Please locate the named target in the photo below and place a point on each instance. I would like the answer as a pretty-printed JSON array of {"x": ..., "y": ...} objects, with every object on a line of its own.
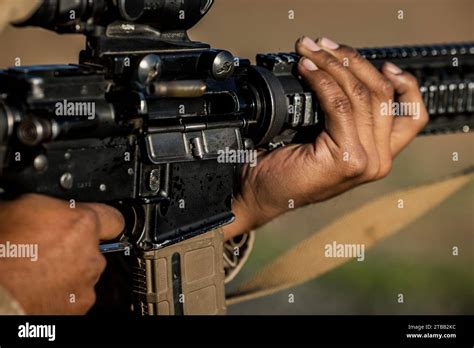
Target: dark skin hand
[
  {"x": 357, "y": 147},
  {"x": 68, "y": 262}
]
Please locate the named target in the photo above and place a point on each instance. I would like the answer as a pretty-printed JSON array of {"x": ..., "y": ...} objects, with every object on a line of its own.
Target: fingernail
[
  {"x": 310, "y": 44},
  {"x": 393, "y": 68},
  {"x": 309, "y": 65},
  {"x": 328, "y": 43}
]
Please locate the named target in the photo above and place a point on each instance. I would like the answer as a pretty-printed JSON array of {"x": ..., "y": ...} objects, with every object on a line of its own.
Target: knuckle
[
  {"x": 101, "y": 264},
  {"x": 360, "y": 91},
  {"x": 332, "y": 63},
  {"x": 372, "y": 171},
  {"x": 27, "y": 199},
  {"x": 356, "y": 166},
  {"x": 353, "y": 55},
  {"x": 386, "y": 88},
  {"x": 411, "y": 80},
  {"x": 368, "y": 120},
  {"x": 88, "y": 299},
  {"x": 87, "y": 219},
  {"x": 340, "y": 104},
  {"x": 91, "y": 266},
  {"x": 422, "y": 121},
  {"x": 326, "y": 84},
  {"x": 385, "y": 169},
  {"x": 425, "y": 118}
]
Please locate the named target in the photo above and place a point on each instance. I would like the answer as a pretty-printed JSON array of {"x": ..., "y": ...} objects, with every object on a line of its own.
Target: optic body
[{"x": 163, "y": 15}]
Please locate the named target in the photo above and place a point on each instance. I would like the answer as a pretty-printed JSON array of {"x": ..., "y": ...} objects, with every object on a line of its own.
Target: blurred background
[{"x": 417, "y": 261}]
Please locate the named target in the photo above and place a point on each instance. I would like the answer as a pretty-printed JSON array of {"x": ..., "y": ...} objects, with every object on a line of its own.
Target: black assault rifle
[{"x": 140, "y": 122}]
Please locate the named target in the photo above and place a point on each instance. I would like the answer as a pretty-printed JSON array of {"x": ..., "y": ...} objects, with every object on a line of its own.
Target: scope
[{"x": 72, "y": 16}]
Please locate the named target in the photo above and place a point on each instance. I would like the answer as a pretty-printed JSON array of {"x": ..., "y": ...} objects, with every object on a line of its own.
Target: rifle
[{"x": 142, "y": 123}]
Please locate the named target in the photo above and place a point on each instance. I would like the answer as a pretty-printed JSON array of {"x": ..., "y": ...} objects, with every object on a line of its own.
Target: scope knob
[
  {"x": 34, "y": 131},
  {"x": 220, "y": 64},
  {"x": 149, "y": 69},
  {"x": 131, "y": 10},
  {"x": 223, "y": 65}
]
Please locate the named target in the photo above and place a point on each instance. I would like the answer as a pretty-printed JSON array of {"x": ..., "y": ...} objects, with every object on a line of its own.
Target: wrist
[
  {"x": 249, "y": 215},
  {"x": 246, "y": 219}
]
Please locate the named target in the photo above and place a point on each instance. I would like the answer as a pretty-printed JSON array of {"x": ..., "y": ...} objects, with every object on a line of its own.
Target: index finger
[
  {"x": 340, "y": 124},
  {"x": 110, "y": 221}
]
